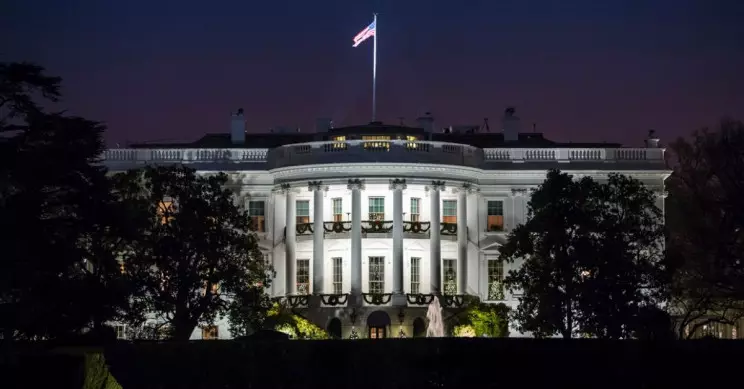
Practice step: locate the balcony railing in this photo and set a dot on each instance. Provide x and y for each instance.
(375, 227)
(416, 227)
(367, 151)
(184, 156)
(363, 151)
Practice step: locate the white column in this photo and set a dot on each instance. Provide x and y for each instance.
(397, 187)
(462, 239)
(435, 256)
(290, 240)
(356, 187)
(318, 234)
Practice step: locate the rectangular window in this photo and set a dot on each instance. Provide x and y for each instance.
(495, 279)
(210, 333)
(302, 208)
(449, 272)
(165, 211)
(257, 213)
(415, 275)
(449, 211)
(338, 210)
(121, 331)
(495, 218)
(376, 274)
(376, 208)
(338, 275)
(415, 209)
(303, 276)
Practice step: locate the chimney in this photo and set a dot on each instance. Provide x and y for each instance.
(426, 122)
(237, 127)
(323, 125)
(652, 142)
(510, 125)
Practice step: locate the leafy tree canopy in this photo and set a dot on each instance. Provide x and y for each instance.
(195, 254)
(592, 257)
(705, 215)
(481, 319)
(51, 188)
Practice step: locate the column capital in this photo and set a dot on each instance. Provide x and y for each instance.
(284, 188)
(436, 185)
(316, 185)
(519, 192)
(662, 194)
(466, 188)
(356, 184)
(398, 183)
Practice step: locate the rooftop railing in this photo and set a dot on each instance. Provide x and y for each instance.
(370, 151)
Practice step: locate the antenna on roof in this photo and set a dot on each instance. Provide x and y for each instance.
(485, 125)
(534, 127)
(402, 123)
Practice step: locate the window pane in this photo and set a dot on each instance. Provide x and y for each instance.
(415, 275)
(303, 276)
(495, 208)
(495, 279)
(415, 210)
(450, 276)
(338, 275)
(376, 208)
(256, 208)
(449, 208)
(376, 274)
(303, 208)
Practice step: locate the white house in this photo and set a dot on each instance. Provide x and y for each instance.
(363, 224)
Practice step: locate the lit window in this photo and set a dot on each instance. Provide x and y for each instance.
(165, 211)
(449, 211)
(495, 218)
(257, 213)
(303, 211)
(338, 210)
(121, 331)
(450, 276)
(376, 274)
(339, 142)
(210, 333)
(376, 208)
(376, 142)
(495, 279)
(303, 276)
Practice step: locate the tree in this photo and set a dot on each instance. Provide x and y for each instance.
(196, 256)
(592, 257)
(51, 184)
(480, 319)
(705, 216)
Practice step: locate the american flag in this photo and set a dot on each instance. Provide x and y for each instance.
(366, 33)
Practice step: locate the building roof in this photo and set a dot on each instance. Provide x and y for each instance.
(272, 140)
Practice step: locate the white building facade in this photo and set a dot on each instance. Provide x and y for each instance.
(364, 225)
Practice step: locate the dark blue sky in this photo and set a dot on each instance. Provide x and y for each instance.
(583, 70)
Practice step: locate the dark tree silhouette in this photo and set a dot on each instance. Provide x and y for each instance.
(195, 253)
(591, 257)
(52, 185)
(705, 215)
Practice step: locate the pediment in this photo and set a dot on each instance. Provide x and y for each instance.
(492, 242)
(415, 246)
(376, 245)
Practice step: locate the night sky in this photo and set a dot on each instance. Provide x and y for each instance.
(583, 70)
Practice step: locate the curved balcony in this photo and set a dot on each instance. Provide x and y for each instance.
(368, 151)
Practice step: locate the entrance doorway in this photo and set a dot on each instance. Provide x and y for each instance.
(377, 333)
(378, 323)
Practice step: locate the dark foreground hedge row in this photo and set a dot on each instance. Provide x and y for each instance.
(425, 363)
(55, 368)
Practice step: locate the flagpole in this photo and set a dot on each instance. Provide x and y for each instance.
(374, 72)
